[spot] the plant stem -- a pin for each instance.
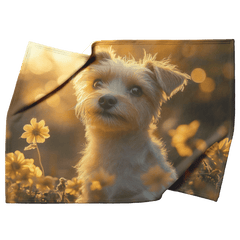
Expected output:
(63, 195)
(39, 158)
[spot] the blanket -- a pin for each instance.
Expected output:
(46, 138)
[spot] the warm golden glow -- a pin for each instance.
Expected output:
(40, 95)
(201, 145)
(208, 85)
(198, 75)
(50, 85)
(62, 78)
(40, 67)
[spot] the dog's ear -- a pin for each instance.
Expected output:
(169, 78)
(103, 54)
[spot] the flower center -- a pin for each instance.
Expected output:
(15, 166)
(35, 132)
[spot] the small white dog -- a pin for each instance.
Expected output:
(119, 101)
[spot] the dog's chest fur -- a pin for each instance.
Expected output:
(126, 157)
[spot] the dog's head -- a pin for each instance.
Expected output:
(120, 94)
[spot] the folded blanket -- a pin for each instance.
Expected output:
(125, 124)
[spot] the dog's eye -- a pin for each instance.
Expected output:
(97, 83)
(136, 91)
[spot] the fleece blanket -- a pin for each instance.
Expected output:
(46, 136)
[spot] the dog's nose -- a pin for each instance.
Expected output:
(107, 101)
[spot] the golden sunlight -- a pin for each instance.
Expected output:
(198, 75)
(181, 135)
(208, 85)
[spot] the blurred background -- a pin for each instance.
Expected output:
(205, 106)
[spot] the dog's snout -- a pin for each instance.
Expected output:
(107, 101)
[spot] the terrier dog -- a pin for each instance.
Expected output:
(119, 101)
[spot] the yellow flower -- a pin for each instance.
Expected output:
(156, 178)
(36, 132)
(101, 179)
(16, 164)
(37, 172)
(96, 186)
(25, 177)
(74, 186)
(218, 152)
(45, 183)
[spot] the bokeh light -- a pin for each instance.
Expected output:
(222, 130)
(198, 75)
(181, 135)
(53, 101)
(38, 62)
(50, 85)
(169, 124)
(208, 85)
(62, 78)
(228, 71)
(40, 95)
(201, 145)
(39, 67)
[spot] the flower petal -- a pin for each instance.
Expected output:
(41, 124)
(44, 130)
(38, 172)
(29, 161)
(26, 134)
(45, 135)
(34, 122)
(31, 139)
(20, 156)
(40, 139)
(222, 143)
(10, 157)
(28, 127)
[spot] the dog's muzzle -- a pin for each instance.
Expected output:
(107, 101)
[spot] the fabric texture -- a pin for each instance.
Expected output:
(60, 150)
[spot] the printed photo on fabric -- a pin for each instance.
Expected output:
(122, 125)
